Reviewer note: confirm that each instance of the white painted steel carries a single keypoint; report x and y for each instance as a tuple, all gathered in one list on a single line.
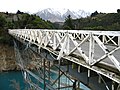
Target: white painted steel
[(72, 41)]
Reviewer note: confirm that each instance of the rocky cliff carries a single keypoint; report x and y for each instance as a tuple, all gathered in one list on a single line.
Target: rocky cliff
[(7, 58)]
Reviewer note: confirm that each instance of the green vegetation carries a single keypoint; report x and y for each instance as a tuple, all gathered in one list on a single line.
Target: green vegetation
[(20, 20), (68, 23), (97, 21), (23, 20)]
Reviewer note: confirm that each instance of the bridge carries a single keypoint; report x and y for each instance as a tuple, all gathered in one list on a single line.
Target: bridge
[(94, 55)]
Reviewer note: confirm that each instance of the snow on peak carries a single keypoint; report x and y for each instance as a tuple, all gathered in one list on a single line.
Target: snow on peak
[(61, 14)]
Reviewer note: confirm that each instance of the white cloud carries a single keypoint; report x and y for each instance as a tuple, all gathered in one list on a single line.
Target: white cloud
[(35, 5)]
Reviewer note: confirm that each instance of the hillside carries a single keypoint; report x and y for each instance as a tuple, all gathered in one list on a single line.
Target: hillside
[(98, 21), (17, 20), (23, 20), (20, 20)]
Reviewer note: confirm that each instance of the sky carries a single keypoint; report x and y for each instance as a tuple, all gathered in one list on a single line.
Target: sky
[(32, 6)]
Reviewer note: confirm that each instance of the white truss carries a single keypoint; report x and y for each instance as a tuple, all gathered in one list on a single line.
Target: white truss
[(74, 42)]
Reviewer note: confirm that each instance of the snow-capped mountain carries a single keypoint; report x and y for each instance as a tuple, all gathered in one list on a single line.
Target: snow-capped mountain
[(59, 15)]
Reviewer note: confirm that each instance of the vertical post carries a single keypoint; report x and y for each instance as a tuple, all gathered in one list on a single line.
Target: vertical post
[(88, 75), (79, 68), (59, 76), (113, 83), (49, 71), (74, 84), (91, 48), (74, 35), (99, 79), (46, 39), (82, 36), (88, 72), (103, 38), (54, 41), (25, 75), (118, 40), (78, 84), (44, 73)]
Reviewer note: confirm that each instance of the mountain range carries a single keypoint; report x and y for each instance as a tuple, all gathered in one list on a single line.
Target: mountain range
[(59, 15)]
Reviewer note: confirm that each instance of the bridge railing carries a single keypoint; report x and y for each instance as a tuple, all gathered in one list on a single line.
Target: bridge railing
[(107, 37), (92, 46)]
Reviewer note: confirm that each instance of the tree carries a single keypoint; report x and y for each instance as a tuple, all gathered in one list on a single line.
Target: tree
[(2, 21), (19, 12), (118, 10), (94, 14), (68, 23), (10, 25)]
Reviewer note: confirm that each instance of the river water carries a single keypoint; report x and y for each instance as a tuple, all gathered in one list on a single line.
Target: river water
[(8, 81)]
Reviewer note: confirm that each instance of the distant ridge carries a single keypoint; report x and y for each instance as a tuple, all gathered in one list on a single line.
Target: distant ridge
[(59, 15)]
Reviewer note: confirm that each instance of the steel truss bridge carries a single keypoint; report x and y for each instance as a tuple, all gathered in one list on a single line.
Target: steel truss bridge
[(94, 54)]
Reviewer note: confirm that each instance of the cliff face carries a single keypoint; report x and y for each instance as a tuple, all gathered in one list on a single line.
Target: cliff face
[(7, 58)]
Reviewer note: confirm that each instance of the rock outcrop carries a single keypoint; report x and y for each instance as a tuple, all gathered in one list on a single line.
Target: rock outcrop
[(7, 58)]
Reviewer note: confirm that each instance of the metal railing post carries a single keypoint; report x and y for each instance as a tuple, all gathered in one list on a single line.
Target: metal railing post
[(91, 48), (118, 40)]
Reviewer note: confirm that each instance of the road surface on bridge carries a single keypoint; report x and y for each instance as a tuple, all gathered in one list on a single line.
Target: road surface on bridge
[(99, 52)]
